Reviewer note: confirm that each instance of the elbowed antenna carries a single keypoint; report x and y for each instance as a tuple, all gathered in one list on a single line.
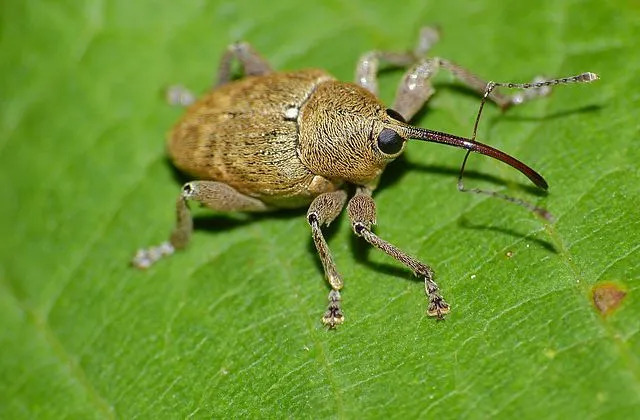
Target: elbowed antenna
[(474, 146)]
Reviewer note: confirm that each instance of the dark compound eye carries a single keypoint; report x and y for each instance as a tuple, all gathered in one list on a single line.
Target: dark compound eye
[(390, 142), (395, 115)]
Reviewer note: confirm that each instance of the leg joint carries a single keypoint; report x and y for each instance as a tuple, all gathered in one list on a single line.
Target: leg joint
[(424, 271), (188, 190), (312, 218), (239, 47), (359, 228)]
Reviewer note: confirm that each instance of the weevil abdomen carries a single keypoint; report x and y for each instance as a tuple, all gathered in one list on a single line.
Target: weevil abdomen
[(245, 134)]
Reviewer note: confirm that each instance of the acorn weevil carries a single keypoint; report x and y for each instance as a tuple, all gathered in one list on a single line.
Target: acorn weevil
[(275, 140)]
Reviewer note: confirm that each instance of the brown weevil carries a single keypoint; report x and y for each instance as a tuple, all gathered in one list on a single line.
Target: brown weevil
[(275, 140)]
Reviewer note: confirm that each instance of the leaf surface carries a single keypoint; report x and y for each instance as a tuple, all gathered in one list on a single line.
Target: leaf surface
[(231, 327)]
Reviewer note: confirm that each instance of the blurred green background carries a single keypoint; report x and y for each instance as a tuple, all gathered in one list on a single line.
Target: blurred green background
[(231, 327)]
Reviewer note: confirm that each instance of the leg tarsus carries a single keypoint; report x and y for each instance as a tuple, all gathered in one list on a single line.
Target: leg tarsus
[(438, 307), (145, 257), (333, 316), (179, 238), (179, 95)]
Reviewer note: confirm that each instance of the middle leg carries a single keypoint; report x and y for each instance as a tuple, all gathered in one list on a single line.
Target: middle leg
[(369, 63), (415, 88)]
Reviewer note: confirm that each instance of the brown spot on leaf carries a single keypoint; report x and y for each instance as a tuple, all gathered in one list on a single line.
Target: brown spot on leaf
[(509, 254), (607, 297)]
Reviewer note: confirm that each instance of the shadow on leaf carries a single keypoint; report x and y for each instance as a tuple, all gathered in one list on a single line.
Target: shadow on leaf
[(361, 249), (395, 171), (466, 223)]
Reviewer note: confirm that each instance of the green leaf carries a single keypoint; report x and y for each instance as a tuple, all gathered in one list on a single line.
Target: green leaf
[(231, 326)]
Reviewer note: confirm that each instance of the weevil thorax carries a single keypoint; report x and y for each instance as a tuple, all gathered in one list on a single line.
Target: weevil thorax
[(341, 125)]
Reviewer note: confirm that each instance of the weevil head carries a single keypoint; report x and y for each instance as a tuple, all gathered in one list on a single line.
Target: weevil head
[(346, 133)]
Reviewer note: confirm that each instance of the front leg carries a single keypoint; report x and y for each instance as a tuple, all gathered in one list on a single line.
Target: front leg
[(362, 212), (323, 210)]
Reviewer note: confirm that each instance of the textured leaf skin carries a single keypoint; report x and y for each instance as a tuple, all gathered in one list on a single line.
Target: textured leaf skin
[(231, 327)]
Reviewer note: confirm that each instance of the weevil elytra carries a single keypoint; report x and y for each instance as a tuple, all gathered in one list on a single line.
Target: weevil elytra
[(275, 140)]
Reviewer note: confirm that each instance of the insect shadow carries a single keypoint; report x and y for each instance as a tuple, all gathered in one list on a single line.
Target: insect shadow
[(468, 224)]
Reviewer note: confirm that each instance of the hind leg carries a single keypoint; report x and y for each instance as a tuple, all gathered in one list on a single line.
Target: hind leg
[(215, 195), (252, 65)]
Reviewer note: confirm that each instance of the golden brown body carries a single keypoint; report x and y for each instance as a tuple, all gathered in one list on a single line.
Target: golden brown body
[(241, 134)]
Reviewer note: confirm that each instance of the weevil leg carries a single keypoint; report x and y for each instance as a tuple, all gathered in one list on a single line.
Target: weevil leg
[(214, 195), (427, 38), (252, 63), (369, 63), (362, 213), (179, 95), (415, 88), (322, 211)]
